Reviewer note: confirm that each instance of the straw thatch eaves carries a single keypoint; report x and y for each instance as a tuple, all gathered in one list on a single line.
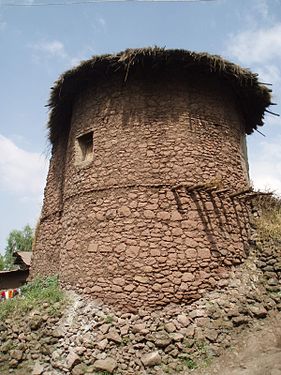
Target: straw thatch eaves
[(254, 97)]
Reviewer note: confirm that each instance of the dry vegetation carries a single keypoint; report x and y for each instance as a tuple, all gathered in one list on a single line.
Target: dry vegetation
[(269, 222)]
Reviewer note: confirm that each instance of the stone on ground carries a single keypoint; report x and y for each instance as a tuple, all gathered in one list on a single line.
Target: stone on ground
[(151, 359), (108, 364)]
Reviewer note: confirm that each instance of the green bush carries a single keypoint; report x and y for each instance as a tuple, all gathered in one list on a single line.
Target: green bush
[(34, 294)]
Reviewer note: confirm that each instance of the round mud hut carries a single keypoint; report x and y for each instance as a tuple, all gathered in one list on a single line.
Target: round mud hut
[(146, 201)]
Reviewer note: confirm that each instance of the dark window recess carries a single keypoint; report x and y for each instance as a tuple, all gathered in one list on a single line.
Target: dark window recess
[(85, 147)]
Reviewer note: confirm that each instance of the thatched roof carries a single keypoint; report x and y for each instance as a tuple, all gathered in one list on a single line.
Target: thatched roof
[(253, 97)]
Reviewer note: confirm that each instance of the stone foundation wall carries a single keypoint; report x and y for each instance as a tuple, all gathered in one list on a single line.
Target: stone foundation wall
[(126, 229), (86, 337), (140, 250)]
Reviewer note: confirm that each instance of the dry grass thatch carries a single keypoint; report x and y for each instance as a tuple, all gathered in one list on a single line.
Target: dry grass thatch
[(252, 95)]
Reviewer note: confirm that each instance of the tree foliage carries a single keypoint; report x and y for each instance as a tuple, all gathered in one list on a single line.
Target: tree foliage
[(18, 240), (2, 262)]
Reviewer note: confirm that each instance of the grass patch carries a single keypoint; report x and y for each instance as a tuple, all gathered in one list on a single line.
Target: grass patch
[(204, 354), (34, 294), (189, 363), (108, 319)]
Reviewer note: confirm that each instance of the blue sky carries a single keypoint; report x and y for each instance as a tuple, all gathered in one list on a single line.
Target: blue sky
[(37, 44)]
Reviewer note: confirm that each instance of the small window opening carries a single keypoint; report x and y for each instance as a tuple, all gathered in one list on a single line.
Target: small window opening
[(85, 147)]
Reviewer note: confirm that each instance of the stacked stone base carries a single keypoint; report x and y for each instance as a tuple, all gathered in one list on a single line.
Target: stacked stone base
[(91, 337), (145, 246)]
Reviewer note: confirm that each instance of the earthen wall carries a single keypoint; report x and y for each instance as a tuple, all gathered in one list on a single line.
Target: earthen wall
[(130, 227)]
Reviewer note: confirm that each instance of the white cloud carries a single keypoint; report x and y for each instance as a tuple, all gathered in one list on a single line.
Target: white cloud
[(260, 48), (22, 172), (56, 49), (50, 49), (102, 21), (265, 166), (256, 45), (3, 24), (261, 8), (269, 73), (99, 24), (83, 54)]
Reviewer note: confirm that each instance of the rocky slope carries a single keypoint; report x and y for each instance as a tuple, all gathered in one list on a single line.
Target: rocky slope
[(83, 337), (234, 330), (257, 351)]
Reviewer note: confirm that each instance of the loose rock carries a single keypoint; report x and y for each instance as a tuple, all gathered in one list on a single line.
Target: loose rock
[(108, 364), (151, 359)]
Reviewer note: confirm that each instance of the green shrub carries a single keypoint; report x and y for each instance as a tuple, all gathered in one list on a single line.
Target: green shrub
[(189, 363), (34, 294)]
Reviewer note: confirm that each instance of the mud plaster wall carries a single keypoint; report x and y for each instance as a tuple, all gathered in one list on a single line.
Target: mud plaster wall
[(114, 227)]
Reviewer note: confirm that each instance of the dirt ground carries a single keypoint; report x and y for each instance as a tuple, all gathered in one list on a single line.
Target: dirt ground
[(255, 352)]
